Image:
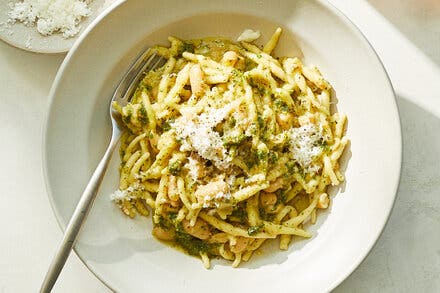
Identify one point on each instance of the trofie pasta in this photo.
(228, 147)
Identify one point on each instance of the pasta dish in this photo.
(228, 146)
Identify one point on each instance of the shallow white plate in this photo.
(121, 252)
(28, 38)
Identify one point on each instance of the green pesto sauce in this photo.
(187, 47)
(293, 168)
(167, 124)
(273, 157)
(281, 105)
(182, 240)
(281, 198)
(255, 158)
(261, 155)
(234, 140)
(253, 230)
(143, 117)
(175, 167)
(266, 216)
(192, 245)
(239, 214)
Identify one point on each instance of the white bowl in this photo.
(122, 252)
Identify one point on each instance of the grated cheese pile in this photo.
(197, 133)
(304, 145)
(51, 16)
(126, 193)
(193, 167)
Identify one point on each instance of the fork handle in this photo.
(79, 215)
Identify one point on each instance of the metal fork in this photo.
(121, 95)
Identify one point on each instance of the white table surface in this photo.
(406, 35)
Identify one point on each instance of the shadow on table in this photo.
(410, 244)
(418, 20)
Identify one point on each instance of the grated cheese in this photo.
(222, 196)
(255, 178)
(193, 167)
(51, 16)
(127, 194)
(119, 195)
(305, 146)
(198, 134)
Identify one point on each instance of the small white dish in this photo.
(29, 39)
(122, 252)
